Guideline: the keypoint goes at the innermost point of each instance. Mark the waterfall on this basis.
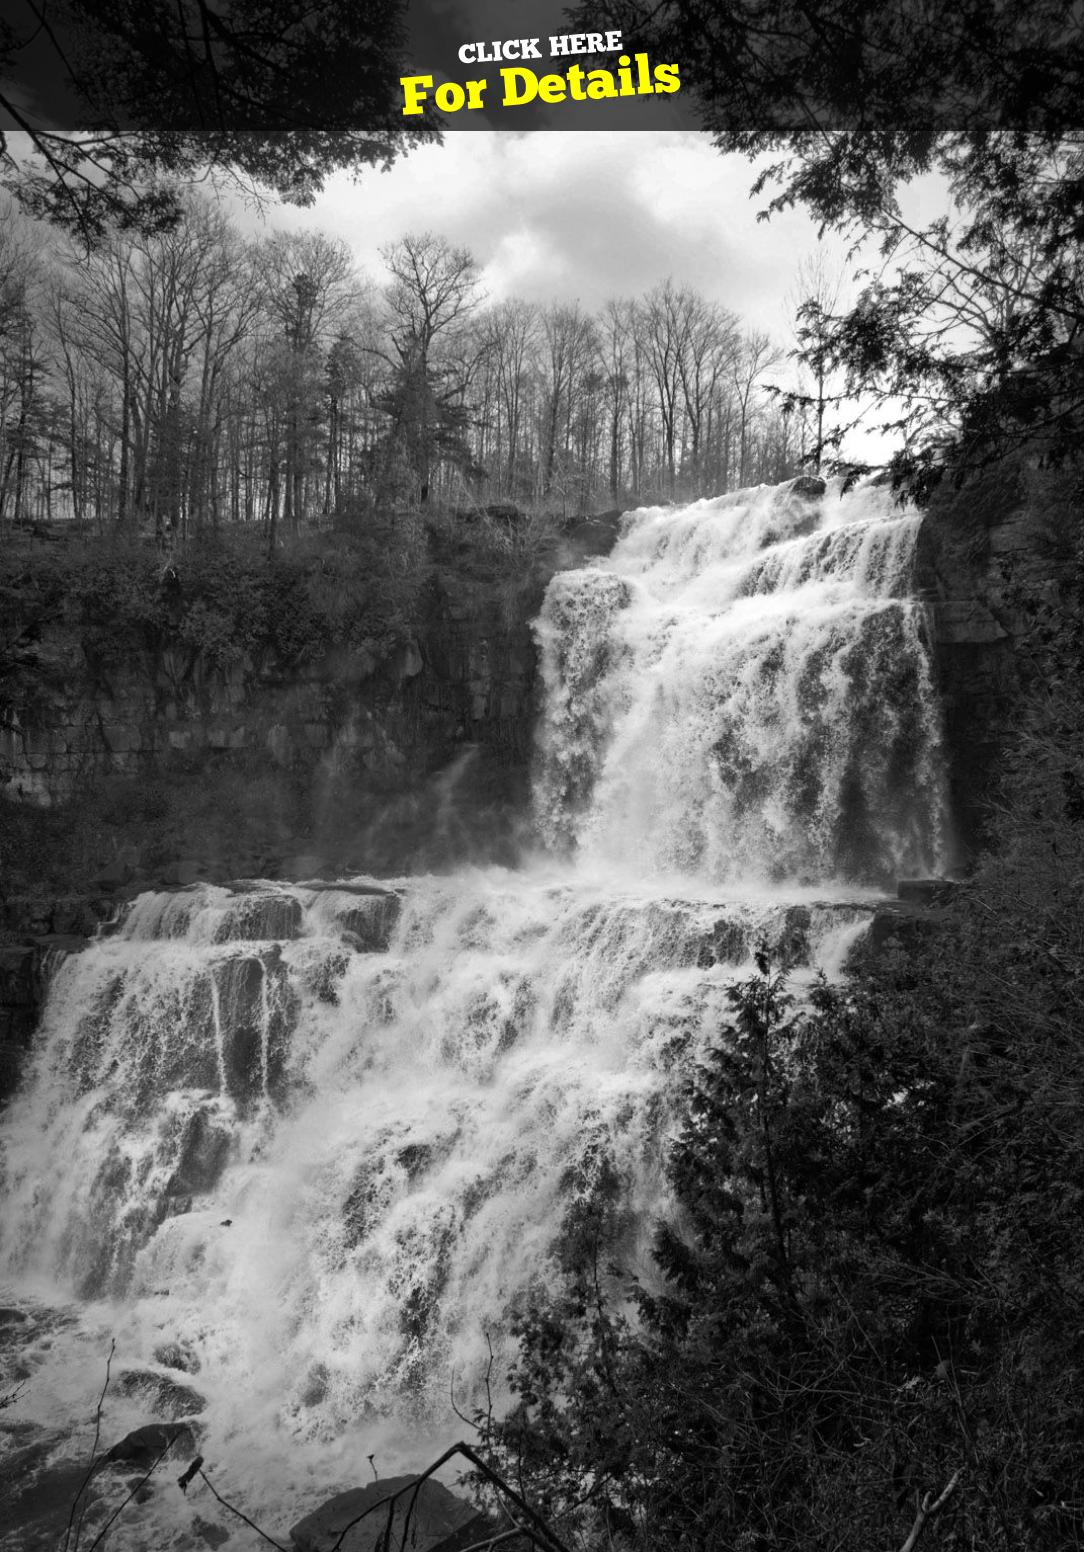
(322, 1140)
(742, 692)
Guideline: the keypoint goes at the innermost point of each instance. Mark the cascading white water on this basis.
(320, 1140)
(741, 692)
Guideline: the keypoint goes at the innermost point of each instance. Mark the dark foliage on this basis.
(966, 331)
(864, 64)
(278, 95)
(224, 601)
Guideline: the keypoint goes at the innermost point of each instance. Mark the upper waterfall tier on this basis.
(742, 692)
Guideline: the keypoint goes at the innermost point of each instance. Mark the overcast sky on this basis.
(561, 215)
(553, 216)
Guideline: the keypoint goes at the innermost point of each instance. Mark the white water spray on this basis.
(741, 692)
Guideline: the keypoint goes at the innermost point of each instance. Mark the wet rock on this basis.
(725, 944)
(314, 1388)
(732, 940)
(161, 1395)
(174, 1355)
(810, 487)
(36, 1499)
(905, 926)
(371, 922)
(142, 1492)
(790, 946)
(257, 1008)
(210, 1535)
(143, 1446)
(322, 978)
(369, 917)
(185, 872)
(438, 1522)
(926, 891)
(202, 1155)
(260, 917)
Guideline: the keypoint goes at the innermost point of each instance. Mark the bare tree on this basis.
(512, 333)
(569, 353)
(434, 289)
(710, 347)
(811, 301)
(756, 356)
(662, 325)
(309, 288)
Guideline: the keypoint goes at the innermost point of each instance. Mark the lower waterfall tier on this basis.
(320, 1140)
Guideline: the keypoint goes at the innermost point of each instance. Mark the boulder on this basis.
(143, 1446)
(164, 1396)
(174, 1355)
(439, 1521)
(809, 486)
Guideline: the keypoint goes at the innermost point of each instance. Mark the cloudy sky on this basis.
(562, 215)
(553, 216)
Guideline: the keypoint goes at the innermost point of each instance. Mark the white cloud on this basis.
(557, 216)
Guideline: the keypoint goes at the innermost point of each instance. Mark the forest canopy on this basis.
(180, 382)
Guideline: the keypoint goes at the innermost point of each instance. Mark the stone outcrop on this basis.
(77, 703)
(145, 1446)
(438, 1520)
(162, 1396)
(992, 556)
(464, 680)
(25, 969)
(153, 753)
(20, 997)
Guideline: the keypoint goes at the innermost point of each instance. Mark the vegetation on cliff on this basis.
(223, 600)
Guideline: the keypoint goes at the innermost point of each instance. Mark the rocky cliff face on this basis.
(995, 558)
(131, 757)
(466, 676)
